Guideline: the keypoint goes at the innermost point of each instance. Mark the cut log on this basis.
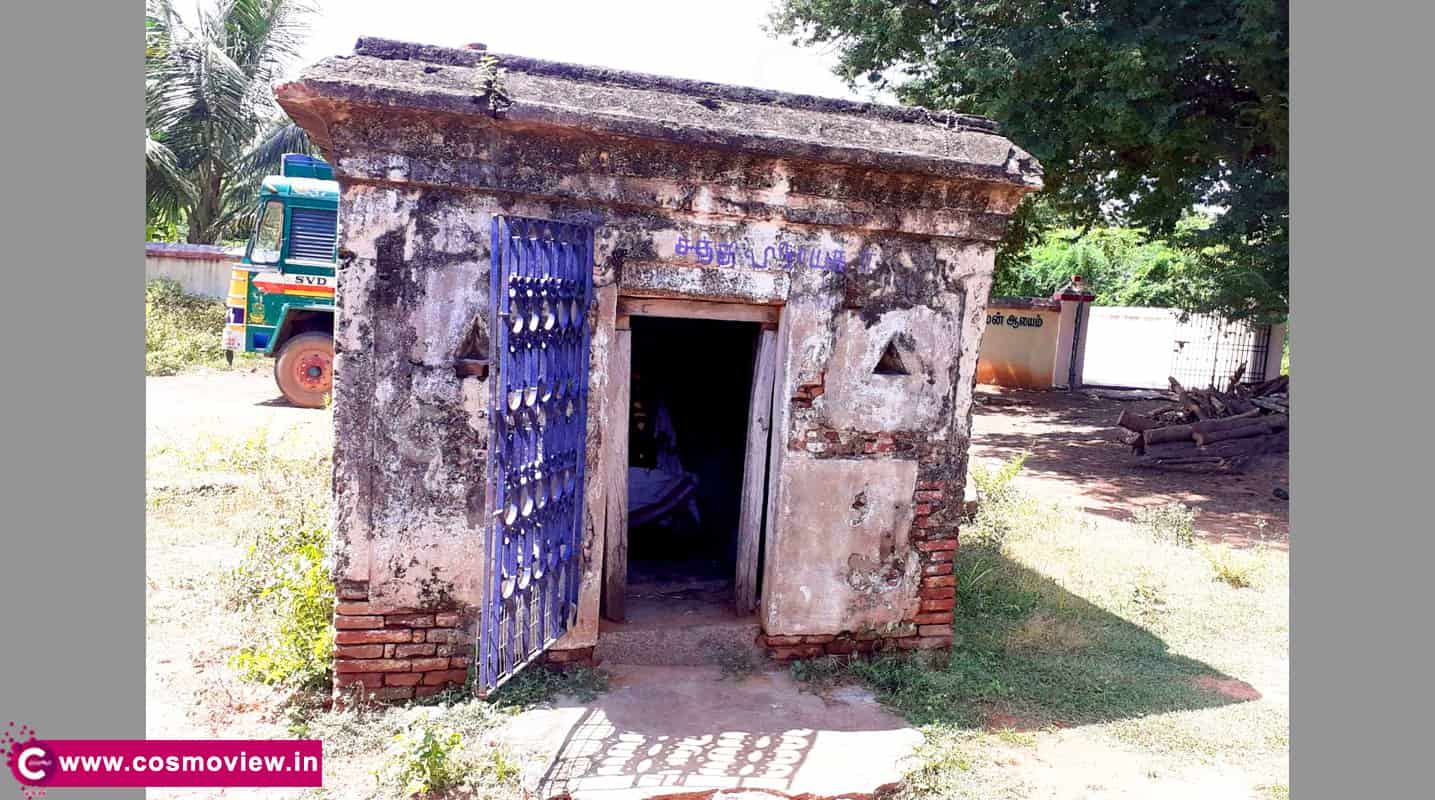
(1132, 421)
(1170, 433)
(1185, 399)
(1176, 433)
(1275, 385)
(1204, 465)
(1226, 449)
(1228, 456)
(1239, 405)
(1246, 431)
(1218, 403)
(1270, 405)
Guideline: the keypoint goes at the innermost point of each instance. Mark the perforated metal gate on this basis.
(540, 285)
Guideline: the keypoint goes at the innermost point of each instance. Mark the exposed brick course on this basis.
(359, 651)
(365, 637)
(388, 653)
(347, 623)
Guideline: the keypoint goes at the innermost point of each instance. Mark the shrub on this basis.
(1147, 596)
(422, 760)
(1173, 522)
(283, 585)
(182, 330)
(1001, 508)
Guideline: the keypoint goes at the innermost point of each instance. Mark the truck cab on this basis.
(281, 296)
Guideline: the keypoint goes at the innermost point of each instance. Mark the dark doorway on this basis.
(691, 381)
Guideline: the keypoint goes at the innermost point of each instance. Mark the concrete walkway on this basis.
(665, 729)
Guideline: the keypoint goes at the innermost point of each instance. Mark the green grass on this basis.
(475, 766)
(1061, 624)
(182, 331)
(539, 684)
(273, 494)
(223, 513)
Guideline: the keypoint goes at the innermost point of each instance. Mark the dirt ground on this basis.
(181, 406)
(1077, 459)
(193, 537)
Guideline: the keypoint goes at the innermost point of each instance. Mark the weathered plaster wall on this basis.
(889, 449)
(849, 564)
(415, 282)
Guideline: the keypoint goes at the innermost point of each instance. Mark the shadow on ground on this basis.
(1029, 654)
(1075, 448)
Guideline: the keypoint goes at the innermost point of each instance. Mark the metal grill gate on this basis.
(1210, 349)
(540, 286)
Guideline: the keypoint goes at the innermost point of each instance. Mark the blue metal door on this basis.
(541, 283)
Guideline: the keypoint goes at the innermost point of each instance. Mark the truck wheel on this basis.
(304, 369)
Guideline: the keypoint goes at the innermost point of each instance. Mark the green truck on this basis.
(281, 296)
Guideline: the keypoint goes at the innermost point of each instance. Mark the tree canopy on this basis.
(212, 128)
(1120, 265)
(1142, 112)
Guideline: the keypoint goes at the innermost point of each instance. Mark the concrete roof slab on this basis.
(388, 74)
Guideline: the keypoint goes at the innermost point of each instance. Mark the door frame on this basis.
(757, 466)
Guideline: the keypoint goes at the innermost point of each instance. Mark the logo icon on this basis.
(30, 760)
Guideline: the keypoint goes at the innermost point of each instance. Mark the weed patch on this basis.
(1242, 568)
(422, 760)
(1001, 508)
(1173, 522)
(1239, 569)
(279, 492)
(1276, 791)
(736, 665)
(539, 684)
(182, 330)
(942, 762)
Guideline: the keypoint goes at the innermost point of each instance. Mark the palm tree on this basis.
(212, 128)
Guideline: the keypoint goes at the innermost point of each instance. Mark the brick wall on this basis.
(390, 653)
(937, 506)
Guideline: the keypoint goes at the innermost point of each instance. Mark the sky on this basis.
(721, 41)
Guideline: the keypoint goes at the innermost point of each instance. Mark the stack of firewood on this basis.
(1210, 430)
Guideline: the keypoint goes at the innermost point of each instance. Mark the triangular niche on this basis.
(891, 362)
